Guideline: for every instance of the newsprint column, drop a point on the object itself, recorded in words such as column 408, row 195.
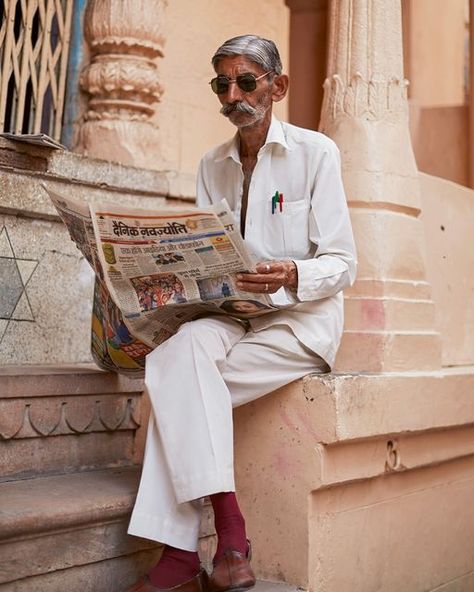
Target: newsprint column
column 389, row 312
column 121, row 81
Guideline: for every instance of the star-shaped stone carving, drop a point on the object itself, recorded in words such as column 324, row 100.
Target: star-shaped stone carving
column 15, row 273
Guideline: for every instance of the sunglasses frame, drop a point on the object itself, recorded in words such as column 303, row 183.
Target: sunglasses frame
column 236, row 80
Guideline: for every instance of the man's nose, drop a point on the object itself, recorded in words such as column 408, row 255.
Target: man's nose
column 234, row 93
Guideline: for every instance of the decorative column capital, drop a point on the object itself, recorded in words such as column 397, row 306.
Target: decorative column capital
column 371, row 99
column 365, row 66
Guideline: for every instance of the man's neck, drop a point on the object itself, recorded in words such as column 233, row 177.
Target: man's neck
column 253, row 137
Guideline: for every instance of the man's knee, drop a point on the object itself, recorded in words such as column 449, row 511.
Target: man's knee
column 214, row 335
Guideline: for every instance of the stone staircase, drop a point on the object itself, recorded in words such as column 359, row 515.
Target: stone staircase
column 352, row 471
column 70, row 447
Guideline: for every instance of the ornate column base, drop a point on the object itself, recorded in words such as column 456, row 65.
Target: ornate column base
column 390, row 315
column 133, row 144
column 390, row 328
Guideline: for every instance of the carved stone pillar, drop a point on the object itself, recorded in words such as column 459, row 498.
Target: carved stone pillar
column 389, row 312
column 121, row 80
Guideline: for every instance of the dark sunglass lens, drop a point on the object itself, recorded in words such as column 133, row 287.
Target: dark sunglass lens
column 220, row 85
column 247, row 82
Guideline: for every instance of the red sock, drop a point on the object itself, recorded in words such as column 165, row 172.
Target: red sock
column 229, row 523
column 175, row 567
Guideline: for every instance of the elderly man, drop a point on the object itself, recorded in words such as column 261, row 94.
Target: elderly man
column 284, row 186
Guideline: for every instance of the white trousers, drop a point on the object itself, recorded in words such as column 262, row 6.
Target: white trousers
column 193, row 380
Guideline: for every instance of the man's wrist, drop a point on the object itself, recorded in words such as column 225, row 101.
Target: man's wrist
column 292, row 276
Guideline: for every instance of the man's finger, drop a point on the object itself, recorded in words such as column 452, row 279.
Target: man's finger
column 258, row 278
column 266, row 288
column 269, row 267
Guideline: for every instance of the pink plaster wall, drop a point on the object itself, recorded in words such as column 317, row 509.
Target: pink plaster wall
column 440, row 137
column 188, row 115
column 448, row 220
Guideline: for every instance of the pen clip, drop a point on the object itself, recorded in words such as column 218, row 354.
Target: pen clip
column 275, row 199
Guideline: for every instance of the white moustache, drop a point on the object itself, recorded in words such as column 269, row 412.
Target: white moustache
column 241, row 106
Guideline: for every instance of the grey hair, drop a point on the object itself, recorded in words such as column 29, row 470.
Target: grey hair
column 262, row 52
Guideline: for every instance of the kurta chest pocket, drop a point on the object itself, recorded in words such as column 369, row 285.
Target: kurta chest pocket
column 286, row 232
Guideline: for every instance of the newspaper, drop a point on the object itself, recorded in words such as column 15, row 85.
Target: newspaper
column 156, row 270
column 36, row 139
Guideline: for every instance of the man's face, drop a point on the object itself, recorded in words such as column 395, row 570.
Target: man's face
column 245, row 306
column 253, row 105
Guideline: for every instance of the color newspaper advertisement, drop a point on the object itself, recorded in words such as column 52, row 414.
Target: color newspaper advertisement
column 155, row 270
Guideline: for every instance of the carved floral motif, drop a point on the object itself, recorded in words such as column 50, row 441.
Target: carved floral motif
column 63, row 418
column 372, row 100
column 125, row 40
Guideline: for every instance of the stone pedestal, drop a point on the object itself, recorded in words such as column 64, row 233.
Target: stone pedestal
column 389, row 312
column 347, row 492
column 121, row 80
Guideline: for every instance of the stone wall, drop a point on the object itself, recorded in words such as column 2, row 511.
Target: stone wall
column 46, row 294
column 448, row 219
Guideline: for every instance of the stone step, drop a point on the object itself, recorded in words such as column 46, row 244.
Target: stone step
column 263, row 586
column 68, row 532
column 59, row 419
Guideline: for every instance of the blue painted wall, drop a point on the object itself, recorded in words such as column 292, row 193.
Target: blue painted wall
column 71, row 106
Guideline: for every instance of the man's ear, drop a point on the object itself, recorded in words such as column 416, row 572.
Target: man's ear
column 280, row 87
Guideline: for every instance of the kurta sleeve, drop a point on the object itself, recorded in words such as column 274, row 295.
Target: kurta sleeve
column 333, row 267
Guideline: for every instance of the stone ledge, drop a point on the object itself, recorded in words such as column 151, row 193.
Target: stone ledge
column 33, row 506
column 23, row 167
column 324, row 431
column 334, row 408
column 343, row 407
column 58, row 380
column 82, row 169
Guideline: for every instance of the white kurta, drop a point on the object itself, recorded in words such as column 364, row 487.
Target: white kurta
column 313, row 230
column 213, row 364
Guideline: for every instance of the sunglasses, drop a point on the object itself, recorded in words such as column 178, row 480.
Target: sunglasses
column 246, row 82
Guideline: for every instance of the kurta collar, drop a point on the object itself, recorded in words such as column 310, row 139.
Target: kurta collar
column 275, row 135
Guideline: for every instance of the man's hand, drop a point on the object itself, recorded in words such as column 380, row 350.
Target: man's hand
column 269, row 277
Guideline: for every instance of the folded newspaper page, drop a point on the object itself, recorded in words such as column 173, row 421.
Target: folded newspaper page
column 36, row 139
column 156, row 270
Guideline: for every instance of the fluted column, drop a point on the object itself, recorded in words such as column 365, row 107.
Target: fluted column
column 121, row 81
column 389, row 312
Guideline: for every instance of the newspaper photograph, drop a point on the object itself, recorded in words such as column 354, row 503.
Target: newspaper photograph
column 156, row 270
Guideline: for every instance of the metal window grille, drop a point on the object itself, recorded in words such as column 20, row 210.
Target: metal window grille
column 34, row 44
